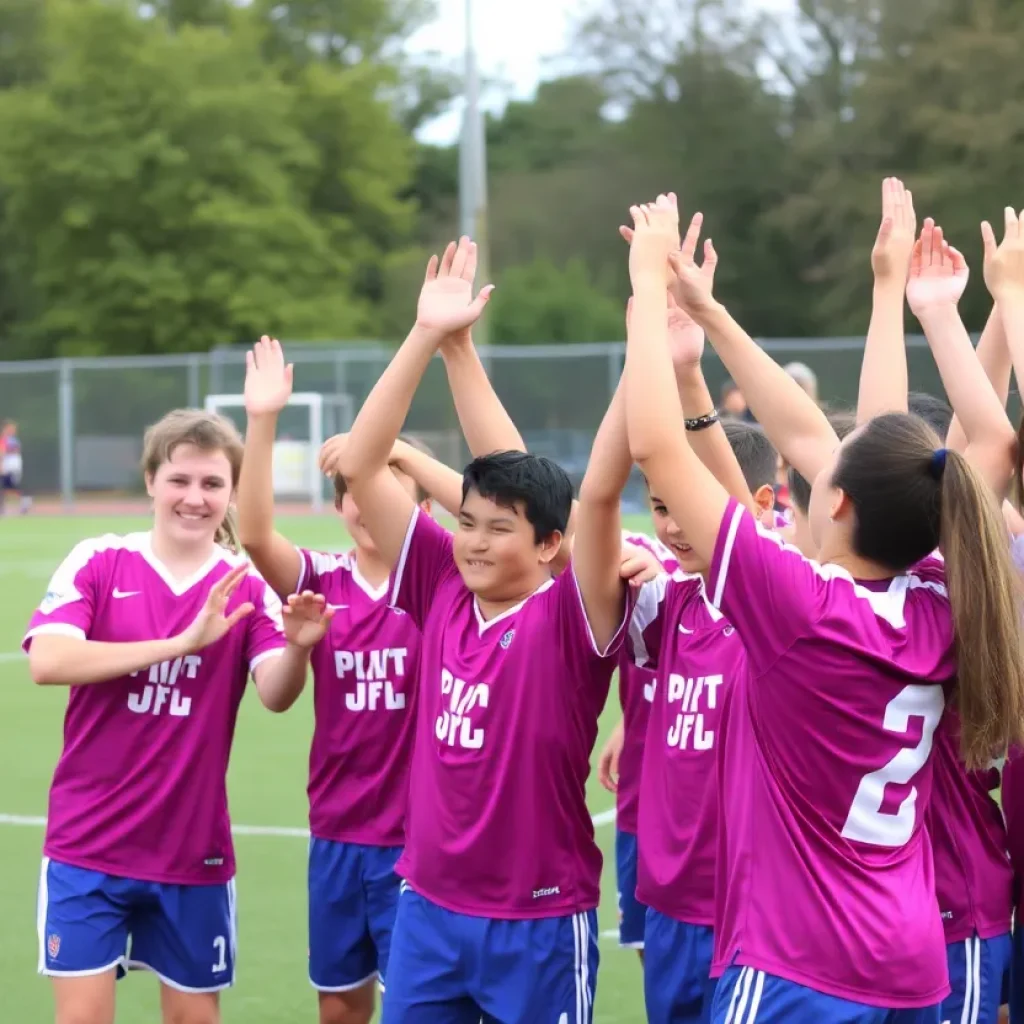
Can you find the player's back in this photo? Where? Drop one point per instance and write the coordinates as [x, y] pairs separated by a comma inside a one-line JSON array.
[[365, 673], [139, 790], [826, 877], [973, 875]]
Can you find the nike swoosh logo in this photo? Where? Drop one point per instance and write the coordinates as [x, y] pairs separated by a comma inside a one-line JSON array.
[[118, 594], [683, 629]]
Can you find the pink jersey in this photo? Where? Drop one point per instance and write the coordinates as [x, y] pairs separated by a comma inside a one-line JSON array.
[[698, 657], [139, 790], [364, 696], [636, 690], [498, 824], [973, 876], [825, 871]]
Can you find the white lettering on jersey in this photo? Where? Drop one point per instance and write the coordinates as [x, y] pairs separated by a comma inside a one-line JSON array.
[[160, 693], [454, 726], [695, 695], [371, 669]]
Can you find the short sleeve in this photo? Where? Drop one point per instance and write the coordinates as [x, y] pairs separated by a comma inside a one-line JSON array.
[[264, 636], [587, 664], [647, 624], [762, 585], [425, 563], [70, 602]]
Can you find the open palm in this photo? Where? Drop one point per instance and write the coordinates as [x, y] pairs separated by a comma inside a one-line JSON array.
[[268, 381], [307, 618], [446, 303], [938, 272]]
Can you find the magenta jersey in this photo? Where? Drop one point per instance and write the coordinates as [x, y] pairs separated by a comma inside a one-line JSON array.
[[697, 656], [825, 872], [139, 790], [364, 696], [973, 875], [636, 690], [497, 824]]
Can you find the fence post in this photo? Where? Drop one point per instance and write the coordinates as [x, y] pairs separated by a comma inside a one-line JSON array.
[[66, 427]]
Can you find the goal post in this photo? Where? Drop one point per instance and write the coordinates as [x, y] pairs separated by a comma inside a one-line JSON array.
[[296, 468]]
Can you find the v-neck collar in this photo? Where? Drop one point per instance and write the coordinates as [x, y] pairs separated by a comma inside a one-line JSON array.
[[177, 587]]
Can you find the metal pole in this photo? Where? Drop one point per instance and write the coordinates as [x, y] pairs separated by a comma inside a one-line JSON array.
[[66, 427]]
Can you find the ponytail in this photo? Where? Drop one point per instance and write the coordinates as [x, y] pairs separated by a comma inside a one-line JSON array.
[[227, 533], [985, 597]]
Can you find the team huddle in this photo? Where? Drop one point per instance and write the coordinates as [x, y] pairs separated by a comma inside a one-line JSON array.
[[819, 708]]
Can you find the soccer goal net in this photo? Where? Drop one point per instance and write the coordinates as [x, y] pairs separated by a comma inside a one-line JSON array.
[[304, 424]]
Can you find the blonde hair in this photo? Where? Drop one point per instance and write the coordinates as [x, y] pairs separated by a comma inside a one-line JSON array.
[[209, 433]]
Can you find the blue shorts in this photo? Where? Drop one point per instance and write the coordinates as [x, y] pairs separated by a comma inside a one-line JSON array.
[[748, 996], [353, 896], [977, 970], [89, 923], [631, 911], [449, 968], [678, 987]]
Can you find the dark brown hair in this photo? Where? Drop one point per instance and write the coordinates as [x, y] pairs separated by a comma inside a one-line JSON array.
[[911, 496]]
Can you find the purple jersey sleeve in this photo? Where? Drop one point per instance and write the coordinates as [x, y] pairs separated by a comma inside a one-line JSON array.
[[264, 634], [71, 595], [647, 624], [765, 587], [425, 563]]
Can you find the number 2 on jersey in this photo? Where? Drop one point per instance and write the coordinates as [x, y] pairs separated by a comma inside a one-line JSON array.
[[866, 823]]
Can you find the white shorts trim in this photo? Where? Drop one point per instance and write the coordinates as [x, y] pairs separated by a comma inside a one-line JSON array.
[[373, 976], [138, 965]]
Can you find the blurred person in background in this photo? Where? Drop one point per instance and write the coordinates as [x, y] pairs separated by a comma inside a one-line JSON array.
[[11, 468]]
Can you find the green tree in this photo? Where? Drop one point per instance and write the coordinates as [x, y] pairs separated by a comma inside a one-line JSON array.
[[171, 206]]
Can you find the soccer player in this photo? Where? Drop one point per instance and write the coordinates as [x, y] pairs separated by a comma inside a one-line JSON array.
[[497, 916], [365, 674], [156, 634], [825, 894]]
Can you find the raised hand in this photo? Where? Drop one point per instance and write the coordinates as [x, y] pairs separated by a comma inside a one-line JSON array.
[[211, 623], [307, 617], [1004, 264], [894, 246], [938, 272], [446, 302], [655, 237], [268, 381]]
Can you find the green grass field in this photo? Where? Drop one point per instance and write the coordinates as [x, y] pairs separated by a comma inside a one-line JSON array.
[[267, 787]]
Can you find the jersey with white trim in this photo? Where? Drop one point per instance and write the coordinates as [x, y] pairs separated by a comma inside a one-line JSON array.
[[697, 657], [825, 871], [636, 688], [498, 824], [364, 699], [140, 787]]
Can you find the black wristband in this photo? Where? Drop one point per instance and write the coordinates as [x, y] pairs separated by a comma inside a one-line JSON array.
[[702, 422]]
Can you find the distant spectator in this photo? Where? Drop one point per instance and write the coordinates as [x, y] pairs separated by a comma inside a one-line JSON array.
[[805, 377]]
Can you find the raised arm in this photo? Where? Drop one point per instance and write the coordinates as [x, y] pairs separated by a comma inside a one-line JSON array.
[[446, 305], [994, 356], [268, 386], [883, 371], [485, 424], [793, 422], [938, 276], [658, 439]]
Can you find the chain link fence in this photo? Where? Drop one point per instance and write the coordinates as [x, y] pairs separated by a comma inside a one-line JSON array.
[[81, 420]]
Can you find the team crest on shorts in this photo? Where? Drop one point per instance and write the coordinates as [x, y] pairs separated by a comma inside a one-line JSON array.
[[53, 946], [506, 640]]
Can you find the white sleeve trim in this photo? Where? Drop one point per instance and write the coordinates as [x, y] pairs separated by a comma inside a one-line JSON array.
[[274, 652], [56, 629], [586, 619], [723, 568], [403, 557]]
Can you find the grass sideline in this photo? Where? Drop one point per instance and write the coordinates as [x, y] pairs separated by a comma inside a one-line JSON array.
[[267, 789]]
